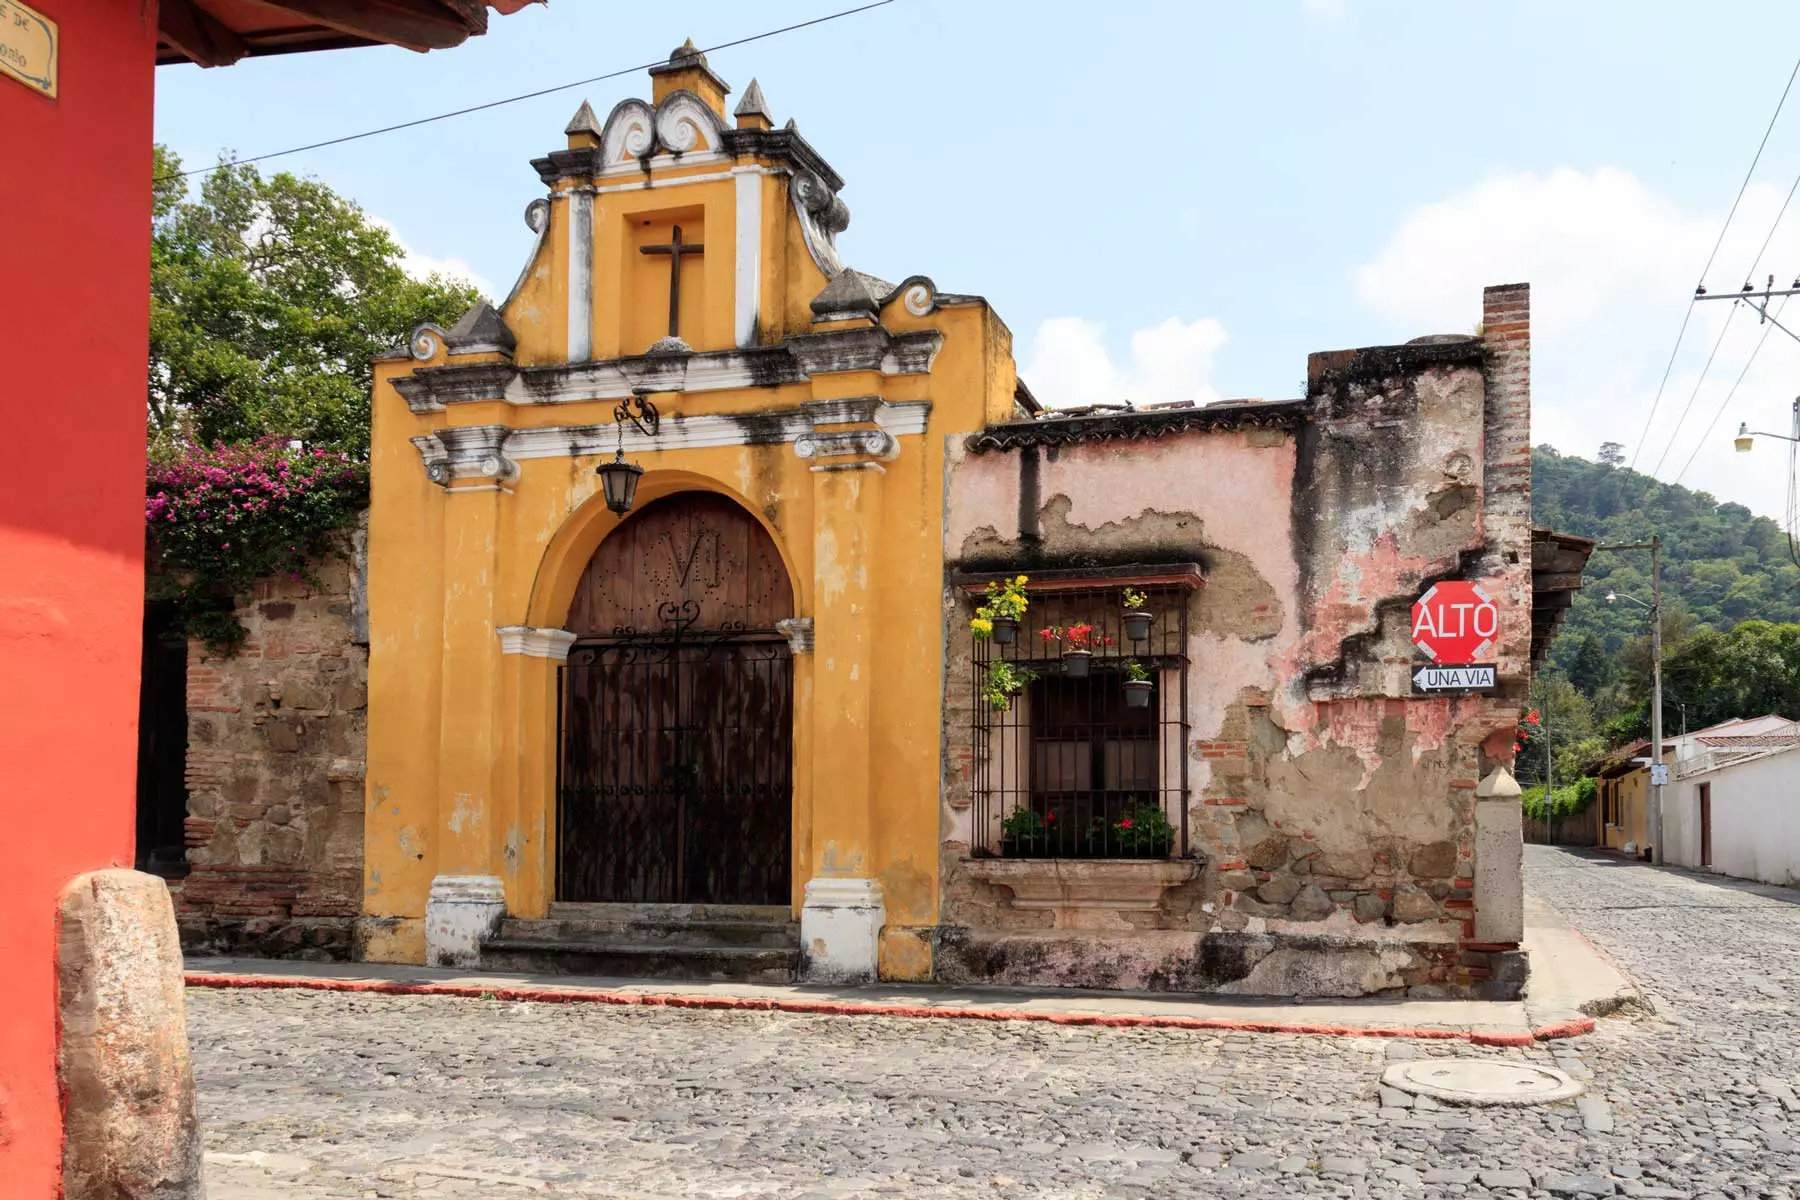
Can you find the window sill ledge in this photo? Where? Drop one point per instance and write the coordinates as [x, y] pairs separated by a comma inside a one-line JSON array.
[[1069, 886]]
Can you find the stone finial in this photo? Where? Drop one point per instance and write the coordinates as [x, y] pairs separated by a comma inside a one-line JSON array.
[[481, 330], [850, 295], [1498, 784], [584, 127], [752, 111], [686, 70]]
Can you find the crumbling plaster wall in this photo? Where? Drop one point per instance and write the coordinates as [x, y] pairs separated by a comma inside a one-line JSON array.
[[1333, 809], [276, 744]]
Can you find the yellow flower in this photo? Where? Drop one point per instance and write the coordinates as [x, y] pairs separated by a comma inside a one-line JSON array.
[[981, 626]]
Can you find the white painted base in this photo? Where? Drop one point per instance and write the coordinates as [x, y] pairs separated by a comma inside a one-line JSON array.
[[840, 930], [461, 912]]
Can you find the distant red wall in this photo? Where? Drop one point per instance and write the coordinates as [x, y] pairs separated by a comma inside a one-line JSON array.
[[74, 310]]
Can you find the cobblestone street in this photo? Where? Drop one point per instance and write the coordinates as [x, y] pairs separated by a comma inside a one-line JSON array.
[[318, 1094]]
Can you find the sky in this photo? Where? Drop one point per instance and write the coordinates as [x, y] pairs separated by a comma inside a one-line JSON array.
[[1182, 200]]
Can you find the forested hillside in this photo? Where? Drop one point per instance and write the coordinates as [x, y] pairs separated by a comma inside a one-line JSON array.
[[1727, 573]]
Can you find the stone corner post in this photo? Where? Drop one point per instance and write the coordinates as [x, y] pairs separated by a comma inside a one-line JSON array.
[[1499, 860], [129, 1122]]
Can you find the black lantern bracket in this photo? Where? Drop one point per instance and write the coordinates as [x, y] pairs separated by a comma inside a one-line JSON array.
[[645, 418]]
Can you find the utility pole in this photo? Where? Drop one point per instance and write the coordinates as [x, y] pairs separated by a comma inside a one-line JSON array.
[[1653, 819], [1549, 766], [1657, 769]]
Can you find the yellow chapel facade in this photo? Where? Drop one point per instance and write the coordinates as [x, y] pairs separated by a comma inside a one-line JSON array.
[[684, 308]]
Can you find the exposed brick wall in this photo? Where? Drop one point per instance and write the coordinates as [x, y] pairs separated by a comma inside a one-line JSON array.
[[276, 739]]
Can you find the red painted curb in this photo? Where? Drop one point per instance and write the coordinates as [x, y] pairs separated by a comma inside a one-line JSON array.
[[549, 995]]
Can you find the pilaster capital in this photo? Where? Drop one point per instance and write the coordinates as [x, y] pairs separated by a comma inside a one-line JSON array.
[[535, 642], [799, 633], [467, 452]]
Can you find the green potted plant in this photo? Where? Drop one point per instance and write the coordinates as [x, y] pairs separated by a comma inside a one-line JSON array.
[[1025, 834], [1137, 617], [1142, 831], [1137, 685], [1002, 682], [1077, 642], [998, 617]]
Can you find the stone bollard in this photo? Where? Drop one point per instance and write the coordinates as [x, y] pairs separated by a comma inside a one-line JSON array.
[[129, 1122]]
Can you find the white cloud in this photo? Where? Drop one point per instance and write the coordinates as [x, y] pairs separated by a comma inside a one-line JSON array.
[[420, 265], [1611, 264], [1070, 364], [1323, 10]]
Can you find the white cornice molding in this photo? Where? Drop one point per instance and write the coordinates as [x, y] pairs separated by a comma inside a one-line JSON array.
[[493, 452], [535, 642], [796, 360]]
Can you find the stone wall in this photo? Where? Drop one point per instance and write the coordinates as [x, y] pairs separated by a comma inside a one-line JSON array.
[[276, 740], [1332, 813]]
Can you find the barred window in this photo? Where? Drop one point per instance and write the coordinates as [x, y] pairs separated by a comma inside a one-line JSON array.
[[1080, 737]]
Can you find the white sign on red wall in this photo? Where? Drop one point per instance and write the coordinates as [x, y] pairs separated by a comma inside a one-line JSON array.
[[1455, 622]]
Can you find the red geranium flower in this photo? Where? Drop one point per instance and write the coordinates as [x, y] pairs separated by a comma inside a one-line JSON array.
[[1125, 824]]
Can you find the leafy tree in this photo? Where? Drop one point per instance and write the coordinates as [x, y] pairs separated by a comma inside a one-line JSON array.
[[1564, 731], [1612, 454], [1590, 668], [267, 298], [1721, 565], [1747, 671]]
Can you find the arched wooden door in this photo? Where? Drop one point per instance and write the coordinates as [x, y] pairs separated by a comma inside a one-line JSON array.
[[675, 780]]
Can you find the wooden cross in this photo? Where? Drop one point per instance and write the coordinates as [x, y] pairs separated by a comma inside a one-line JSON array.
[[675, 248]]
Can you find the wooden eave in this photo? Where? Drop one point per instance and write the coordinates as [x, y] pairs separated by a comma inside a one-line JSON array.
[[1557, 561], [216, 33]]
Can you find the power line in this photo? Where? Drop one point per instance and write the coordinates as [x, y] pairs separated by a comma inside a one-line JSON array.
[[1755, 350], [1698, 384], [1688, 315], [561, 87], [1726, 402]]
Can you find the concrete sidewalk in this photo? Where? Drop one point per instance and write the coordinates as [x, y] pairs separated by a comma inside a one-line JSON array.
[[1571, 983]]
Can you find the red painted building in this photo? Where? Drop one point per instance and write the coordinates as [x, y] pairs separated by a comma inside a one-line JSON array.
[[76, 90]]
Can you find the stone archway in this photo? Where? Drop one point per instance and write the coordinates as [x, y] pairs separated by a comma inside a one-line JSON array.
[[675, 771]]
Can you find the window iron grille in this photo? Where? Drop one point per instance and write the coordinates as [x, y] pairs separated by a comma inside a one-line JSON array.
[[1068, 767]]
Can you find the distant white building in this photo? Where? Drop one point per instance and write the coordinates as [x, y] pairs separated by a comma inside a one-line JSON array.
[[1733, 802], [1623, 777]]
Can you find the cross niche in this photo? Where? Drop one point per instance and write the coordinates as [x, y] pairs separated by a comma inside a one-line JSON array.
[[677, 249]]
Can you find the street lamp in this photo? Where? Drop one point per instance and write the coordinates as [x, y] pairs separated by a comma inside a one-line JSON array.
[[1653, 826], [1746, 436]]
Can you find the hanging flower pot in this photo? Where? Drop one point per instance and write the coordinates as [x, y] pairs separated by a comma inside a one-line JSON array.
[[1006, 630], [1076, 663], [1002, 682], [1137, 617], [1137, 685]]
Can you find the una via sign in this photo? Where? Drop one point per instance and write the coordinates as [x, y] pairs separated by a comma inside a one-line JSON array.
[[1454, 679], [28, 46]]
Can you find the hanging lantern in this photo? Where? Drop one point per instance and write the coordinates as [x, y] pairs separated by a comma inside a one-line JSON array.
[[619, 479]]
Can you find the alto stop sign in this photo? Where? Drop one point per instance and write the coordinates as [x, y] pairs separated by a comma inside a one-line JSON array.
[[1455, 622]]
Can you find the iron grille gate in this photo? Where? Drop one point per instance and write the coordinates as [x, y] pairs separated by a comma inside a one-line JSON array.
[[674, 779]]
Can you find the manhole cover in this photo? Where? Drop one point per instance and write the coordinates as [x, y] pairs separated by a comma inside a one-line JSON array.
[[1481, 1081]]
